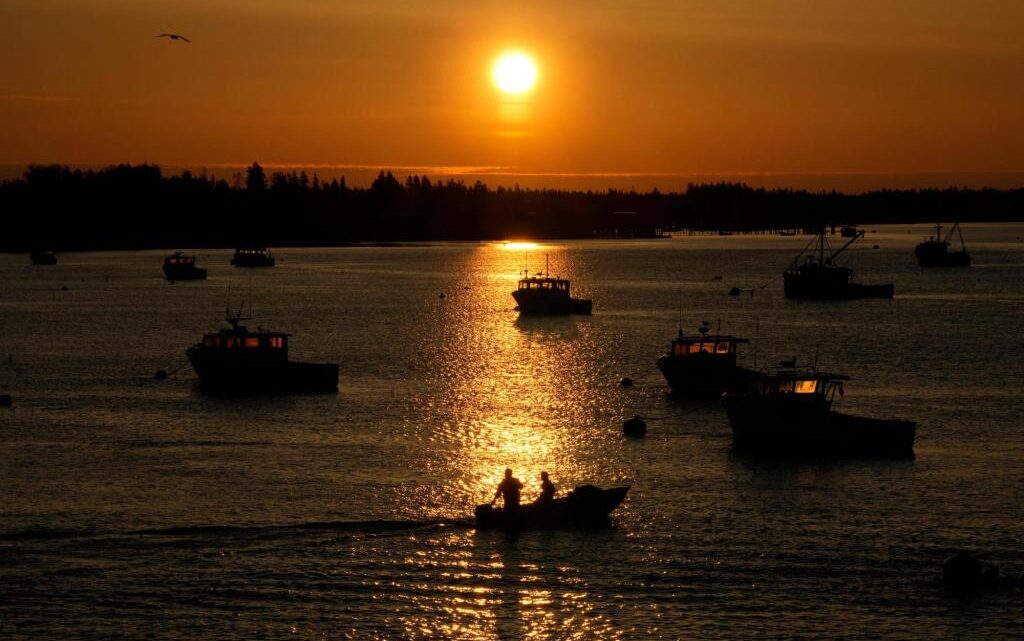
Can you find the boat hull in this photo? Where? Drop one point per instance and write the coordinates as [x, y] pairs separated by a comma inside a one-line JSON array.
[[43, 258], [586, 506], [172, 272], [252, 262], [539, 304], [931, 254], [797, 288], [760, 426], [276, 378], [696, 376]]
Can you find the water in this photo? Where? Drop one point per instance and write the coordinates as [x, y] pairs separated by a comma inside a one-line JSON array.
[[131, 507]]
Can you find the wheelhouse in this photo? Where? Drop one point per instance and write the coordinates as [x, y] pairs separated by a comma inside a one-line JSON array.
[[546, 284], [179, 258], [241, 345], [797, 386]]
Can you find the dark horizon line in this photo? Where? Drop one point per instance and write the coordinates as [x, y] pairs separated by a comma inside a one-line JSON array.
[[366, 173]]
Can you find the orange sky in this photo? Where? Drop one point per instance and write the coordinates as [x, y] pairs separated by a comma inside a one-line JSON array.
[[647, 87]]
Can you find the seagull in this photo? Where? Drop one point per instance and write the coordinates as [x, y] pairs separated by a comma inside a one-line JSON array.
[[173, 36]]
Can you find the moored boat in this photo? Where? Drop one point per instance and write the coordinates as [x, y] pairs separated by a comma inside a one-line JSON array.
[[236, 360], [703, 363], [253, 256], [586, 506], [178, 266], [815, 276], [544, 295], [935, 252], [791, 412], [43, 257]]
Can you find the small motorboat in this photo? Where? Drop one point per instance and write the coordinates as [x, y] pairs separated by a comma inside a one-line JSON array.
[[586, 506], [544, 295], [239, 361], [936, 252], [253, 256], [791, 412], [814, 274], [43, 257], [702, 363], [178, 266]]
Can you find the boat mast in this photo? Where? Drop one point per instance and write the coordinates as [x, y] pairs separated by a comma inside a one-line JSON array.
[[860, 232]]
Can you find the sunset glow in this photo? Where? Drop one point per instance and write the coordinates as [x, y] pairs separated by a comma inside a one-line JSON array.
[[518, 245]]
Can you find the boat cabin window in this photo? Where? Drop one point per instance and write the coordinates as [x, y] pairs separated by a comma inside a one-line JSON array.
[[709, 348], [211, 341], [276, 342], [252, 342], [232, 342], [785, 387], [722, 348], [806, 387]]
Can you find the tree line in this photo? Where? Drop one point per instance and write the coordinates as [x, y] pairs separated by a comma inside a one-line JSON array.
[[136, 206]]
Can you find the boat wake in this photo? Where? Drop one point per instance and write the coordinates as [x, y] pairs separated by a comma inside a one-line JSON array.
[[369, 528]]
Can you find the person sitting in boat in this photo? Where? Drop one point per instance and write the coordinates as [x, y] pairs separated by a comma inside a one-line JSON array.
[[547, 490], [509, 489]]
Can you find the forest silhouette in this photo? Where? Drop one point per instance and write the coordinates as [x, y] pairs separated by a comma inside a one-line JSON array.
[[136, 206]]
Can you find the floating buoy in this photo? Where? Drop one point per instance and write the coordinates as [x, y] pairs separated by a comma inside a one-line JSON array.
[[442, 295], [717, 278], [160, 375], [626, 382], [63, 288], [876, 247], [735, 291], [5, 400], [635, 426]]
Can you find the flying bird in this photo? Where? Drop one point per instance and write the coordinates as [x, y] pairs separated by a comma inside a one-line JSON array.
[[173, 36]]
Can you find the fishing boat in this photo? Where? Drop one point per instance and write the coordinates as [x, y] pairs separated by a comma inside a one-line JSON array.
[[791, 412], [586, 506], [814, 274], [703, 363], [178, 266], [43, 257], [848, 231], [544, 295], [237, 360], [252, 256], [934, 251]]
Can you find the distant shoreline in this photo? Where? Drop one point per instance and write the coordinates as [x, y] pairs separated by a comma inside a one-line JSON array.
[[137, 207]]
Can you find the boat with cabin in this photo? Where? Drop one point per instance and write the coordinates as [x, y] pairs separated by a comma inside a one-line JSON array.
[[544, 295], [935, 252], [586, 506], [238, 360], [848, 231], [43, 257], [791, 412], [178, 266], [253, 256], [703, 363], [814, 274]]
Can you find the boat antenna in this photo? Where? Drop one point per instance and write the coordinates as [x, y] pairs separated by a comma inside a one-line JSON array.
[[757, 327], [680, 313]]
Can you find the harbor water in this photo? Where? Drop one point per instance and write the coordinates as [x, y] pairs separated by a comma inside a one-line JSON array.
[[132, 507]]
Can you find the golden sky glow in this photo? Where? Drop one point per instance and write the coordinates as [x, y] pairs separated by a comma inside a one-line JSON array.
[[662, 87]]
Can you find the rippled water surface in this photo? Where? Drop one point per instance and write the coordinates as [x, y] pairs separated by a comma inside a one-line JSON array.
[[132, 507]]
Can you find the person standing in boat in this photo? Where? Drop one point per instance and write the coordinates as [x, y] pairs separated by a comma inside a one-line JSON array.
[[509, 488], [547, 490]]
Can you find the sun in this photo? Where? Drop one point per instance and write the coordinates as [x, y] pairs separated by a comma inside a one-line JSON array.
[[514, 73]]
